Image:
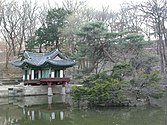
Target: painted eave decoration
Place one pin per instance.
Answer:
(54, 58)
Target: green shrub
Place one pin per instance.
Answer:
(104, 89)
(107, 91)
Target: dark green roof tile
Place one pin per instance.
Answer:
(40, 59)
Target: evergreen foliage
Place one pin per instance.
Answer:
(92, 43)
(97, 45)
(50, 32)
(119, 71)
(103, 92)
(114, 90)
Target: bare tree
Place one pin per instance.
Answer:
(18, 23)
(28, 23)
(155, 11)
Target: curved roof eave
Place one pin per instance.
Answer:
(44, 59)
(17, 63)
(62, 62)
(54, 63)
(21, 64)
(59, 64)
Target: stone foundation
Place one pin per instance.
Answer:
(36, 90)
(3, 93)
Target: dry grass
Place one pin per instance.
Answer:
(10, 72)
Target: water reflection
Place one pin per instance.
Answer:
(52, 110)
(33, 109)
(44, 115)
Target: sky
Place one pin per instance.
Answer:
(97, 4)
(114, 4)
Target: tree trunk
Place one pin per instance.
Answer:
(164, 31)
(13, 47)
(8, 53)
(40, 48)
(161, 46)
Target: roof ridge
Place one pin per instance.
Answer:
(26, 52)
(40, 59)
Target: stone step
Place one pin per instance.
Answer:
(13, 81)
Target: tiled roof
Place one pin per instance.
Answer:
(41, 59)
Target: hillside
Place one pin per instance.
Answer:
(10, 72)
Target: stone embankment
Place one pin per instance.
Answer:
(6, 84)
(4, 90)
(28, 90)
(9, 78)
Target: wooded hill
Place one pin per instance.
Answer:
(96, 39)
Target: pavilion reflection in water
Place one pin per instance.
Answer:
(36, 109)
(50, 111)
(37, 115)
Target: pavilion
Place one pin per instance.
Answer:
(45, 69)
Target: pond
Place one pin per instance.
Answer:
(59, 110)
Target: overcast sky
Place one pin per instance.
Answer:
(97, 4)
(114, 4)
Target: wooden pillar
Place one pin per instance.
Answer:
(39, 74)
(61, 74)
(50, 89)
(24, 77)
(29, 74)
(52, 74)
(32, 74)
(50, 71)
